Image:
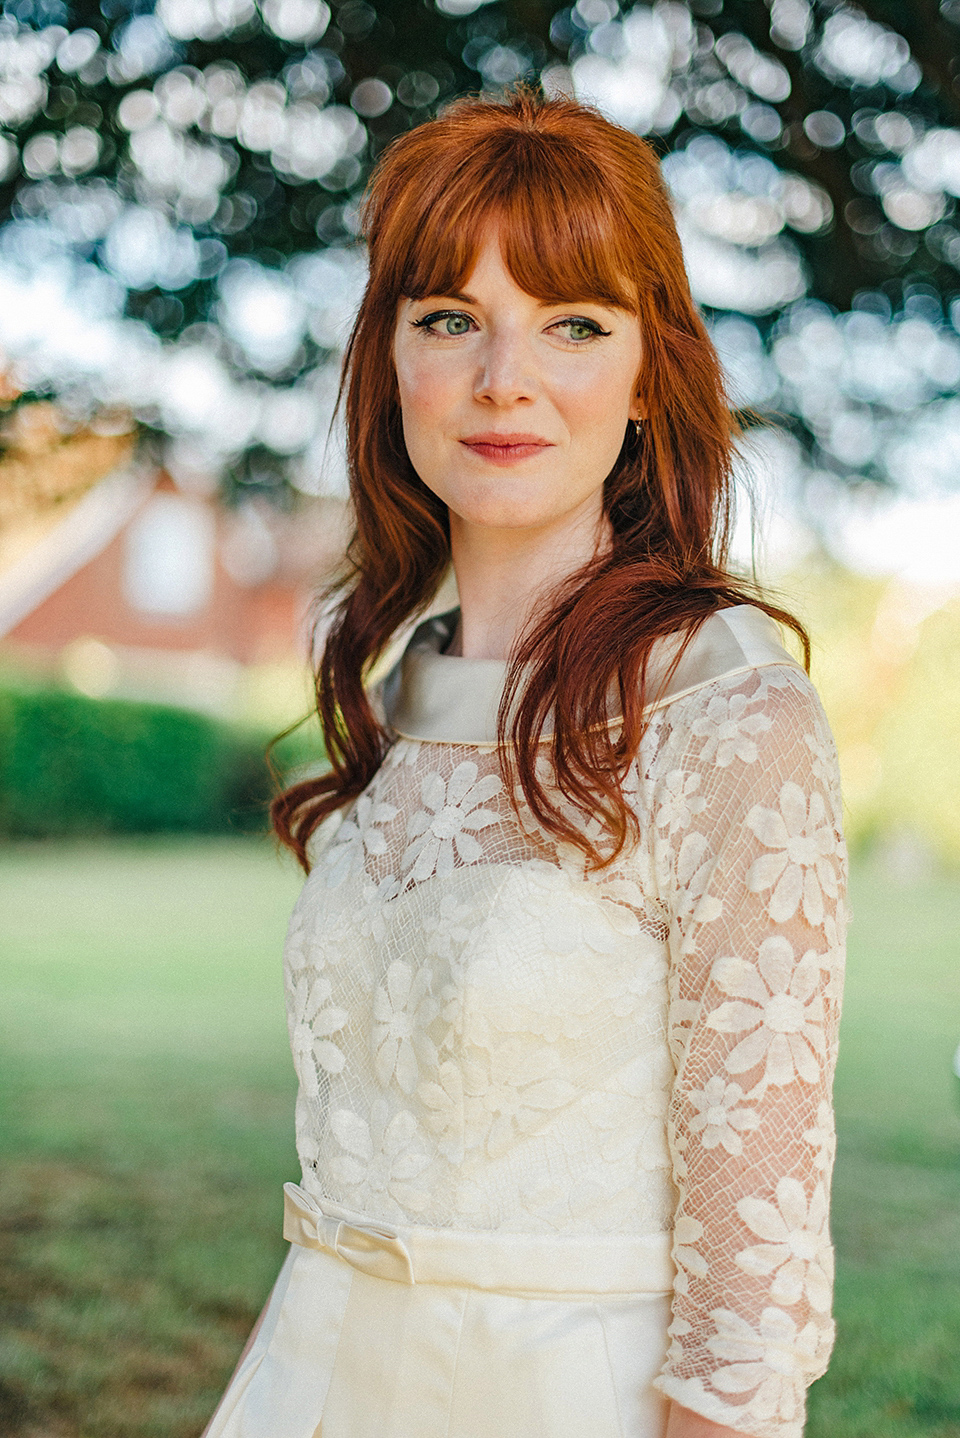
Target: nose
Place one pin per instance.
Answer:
(506, 372)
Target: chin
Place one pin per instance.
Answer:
(502, 514)
(506, 501)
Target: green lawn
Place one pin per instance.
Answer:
(896, 1367)
(147, 1127)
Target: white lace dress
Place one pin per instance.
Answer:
(566, 1135)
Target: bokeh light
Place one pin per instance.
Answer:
(180, 239)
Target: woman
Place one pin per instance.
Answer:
(563, 984)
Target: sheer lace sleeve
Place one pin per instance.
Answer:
(751, 864)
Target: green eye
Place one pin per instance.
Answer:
(581, 329)
(444, 322)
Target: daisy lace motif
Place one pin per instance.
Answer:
(730, 732)
(783, 1011)
(773, 1361)
(719, 1120)
(381, 1158)
(403, 1009)
(314, 1019)
(796, 1247)
(799, 868)
(444, 828)
(356, 837)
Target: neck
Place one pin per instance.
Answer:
(505, 576)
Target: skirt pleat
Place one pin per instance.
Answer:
(344, 1353)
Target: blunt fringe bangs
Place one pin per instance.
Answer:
(582, 212)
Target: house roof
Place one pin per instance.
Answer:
(43, 548)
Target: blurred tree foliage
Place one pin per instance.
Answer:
(166, 142)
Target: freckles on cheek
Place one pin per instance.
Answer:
(421, 388)
(595, 401)
(599, 379)
(423, 412)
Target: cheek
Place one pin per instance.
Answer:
(597, 398)
(425, 405)
(424, 388)
(600, 389)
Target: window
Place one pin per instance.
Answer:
(170, 557)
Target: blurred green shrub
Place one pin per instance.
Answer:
(73, 765)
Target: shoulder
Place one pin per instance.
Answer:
(731, 643)
(736, 678)
(742, 712)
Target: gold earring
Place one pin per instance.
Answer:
(638, 426)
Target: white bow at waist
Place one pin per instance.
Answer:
(372, 1248)
(595, 1265)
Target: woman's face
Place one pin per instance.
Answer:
(514, 410)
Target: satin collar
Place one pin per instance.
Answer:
(444, 699)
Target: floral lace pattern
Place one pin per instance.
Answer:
(490, 1035)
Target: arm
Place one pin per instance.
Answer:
(750, 868)
(682, 1423)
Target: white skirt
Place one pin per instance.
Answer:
(381, 1332)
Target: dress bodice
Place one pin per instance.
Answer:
(490, 1035)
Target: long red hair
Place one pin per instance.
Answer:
(583, 214)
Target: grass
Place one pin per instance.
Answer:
(147, 1127)
(895, 1371)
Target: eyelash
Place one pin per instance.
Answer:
(428, 320)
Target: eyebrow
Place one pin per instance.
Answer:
(448, 295)
(464, 299)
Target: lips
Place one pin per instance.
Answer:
(506, 448)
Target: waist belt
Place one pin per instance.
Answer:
(501, 1262)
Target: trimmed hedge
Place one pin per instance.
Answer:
(72, 765)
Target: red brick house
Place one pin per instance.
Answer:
(144, 589)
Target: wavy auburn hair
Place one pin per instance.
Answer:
(583, 214)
